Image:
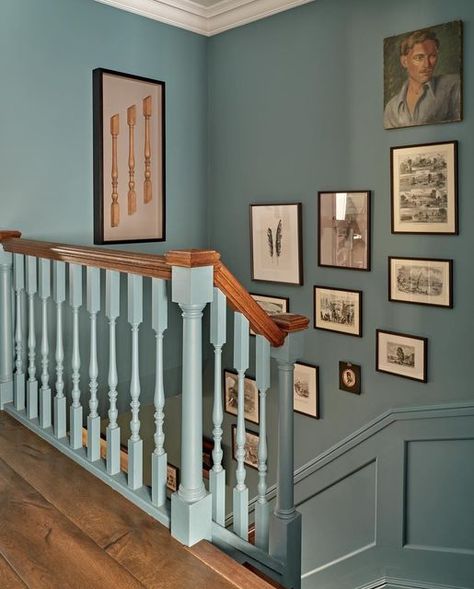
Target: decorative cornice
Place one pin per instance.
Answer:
(205, 20)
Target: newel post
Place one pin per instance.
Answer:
(192, 288)
(285, 522)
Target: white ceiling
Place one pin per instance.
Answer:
(207, 17)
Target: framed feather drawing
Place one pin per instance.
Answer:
(276, 243)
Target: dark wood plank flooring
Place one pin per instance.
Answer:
(61, 527)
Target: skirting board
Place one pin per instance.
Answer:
(393, 583)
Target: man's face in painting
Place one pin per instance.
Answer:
(421, 61)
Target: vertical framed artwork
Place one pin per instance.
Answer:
(252, 440)
(339, 310)
(276, 243)
(402, 354)
(344, 229)
(306, 389)
(207, 462)
(271, 305)
(349, 377)
(129, 158)
(251, 406)
(172, 477)
(424, 188)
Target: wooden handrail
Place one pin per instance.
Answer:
(159, 266)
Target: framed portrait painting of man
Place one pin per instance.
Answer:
(424, 188)
(423, 76)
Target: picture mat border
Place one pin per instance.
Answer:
(368, 194)
(299, 223)
(454, 143)
(224, 390)
(234, 445)
(317, 416)
(286, 299)
(358, 292)
(450, 264)
(343, 365)
(424, 341)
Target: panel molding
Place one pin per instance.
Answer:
(395, 583)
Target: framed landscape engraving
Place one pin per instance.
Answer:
(129, 158)
(420, 281)
(349, 377)
(276, 244)
(271, 305)
(336, 309)
(424, 188)
(306, 389)
(251, 406)
(344, 229)
(252, 440)
(401, 354)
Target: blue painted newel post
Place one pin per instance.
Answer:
(192, 288)
(285, 523)
(6, 327)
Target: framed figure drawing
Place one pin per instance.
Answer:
(129, 158)
(402, 355)
(276, 243)
(339, 310)
(306, 389)
(344, 229)
(423, 76)
(252, 440)
(420, 281)
(424, 188)
(251, 406)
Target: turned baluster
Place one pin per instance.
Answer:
(115, 207)
(147, 188)
(19, 376)
(32, 384)
(93, 419)
(75, 300)
(45, 391)
(131, 121)
(112, 310)
(59, 295)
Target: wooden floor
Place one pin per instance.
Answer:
(60, 527)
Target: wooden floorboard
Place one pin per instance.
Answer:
(142, 547)
(8, 578)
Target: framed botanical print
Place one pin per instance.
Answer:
(306, 389)
(231, 387)
(344, 229)
(276, 243)
(339, 310)
(424, 188)
(402, 354)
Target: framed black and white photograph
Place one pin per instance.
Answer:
(276, 243)
(349, 377)
(306, 389)
(251, 447)
(271, 305)
(172, 477)
(420, 281)
(207, 462)
(402, 354)
(231, 389)
(424, 188)
(344, 229)
(339, 310)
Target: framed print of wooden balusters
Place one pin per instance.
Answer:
(129, 158)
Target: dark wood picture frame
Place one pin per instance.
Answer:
(315, 370)
(101, 212)
(418, 297)
(207, 461)
(352, 384)
(324, 323)
(270, 237)
(346, 227)
(452, 197)
(175, 471)
(234, 445)
(423, 377)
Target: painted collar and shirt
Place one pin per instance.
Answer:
(440, 102)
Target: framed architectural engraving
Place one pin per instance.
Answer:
(252, 440)
(129, 158)
(251, 406)
(336, 309)
(276, 243)
(271, 305)
(349, 377)
(401, 354)
(306, 389)
(424, 188)
(344, 229)
(420, 281)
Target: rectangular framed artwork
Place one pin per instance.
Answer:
(207, 462)
(276, 243)
(129, 158)
(252, 440)
(401, 354)
(420, 281)
(350, 377)
(344, 229)
(251, 406)
(339, 310)
(172, 477)
(271, 305)
(424, 188)
(306, 389)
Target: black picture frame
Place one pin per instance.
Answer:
(336, 320)
(407, 368)
(250, 386)
(249, 463)
(311, 407)
(350, 377)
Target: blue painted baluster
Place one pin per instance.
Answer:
(75, 300)
(19, 376)
(112, 310)
(241, 363)
(217, 474)
(93, 419)
(135, 443)
(59, 296)
(32, 385)
(6, 328)
(159, 310)
(44, 294)
(262, 507)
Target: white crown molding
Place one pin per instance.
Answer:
(205, 20)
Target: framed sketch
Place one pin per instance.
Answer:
(271, 305)
(276, 243)
(129, 158)
(401, 354)
(344, 229)
(231, 387)
(420, 281)
(423, 76)
(337, 309)
(172, 477)
(207, 462)
(349, 377)
(306, 389)
(424, 188)
(251, 447)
